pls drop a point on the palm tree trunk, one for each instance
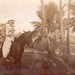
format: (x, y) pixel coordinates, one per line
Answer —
(68, 33)
(61, 22)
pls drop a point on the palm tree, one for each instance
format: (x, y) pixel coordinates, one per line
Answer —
(51, 19)
(48, 29)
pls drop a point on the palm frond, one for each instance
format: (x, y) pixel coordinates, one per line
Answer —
(39, 14)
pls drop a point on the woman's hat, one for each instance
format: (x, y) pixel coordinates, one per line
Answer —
(10, 21)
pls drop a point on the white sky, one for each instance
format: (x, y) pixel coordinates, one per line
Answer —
(22, 11)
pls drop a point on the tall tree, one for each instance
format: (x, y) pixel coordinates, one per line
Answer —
(51, 19)
(47, 30)
(48, 27)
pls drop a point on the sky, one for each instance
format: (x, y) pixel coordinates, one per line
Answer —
(22, 11)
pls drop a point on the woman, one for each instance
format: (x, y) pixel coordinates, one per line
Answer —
(9, 38)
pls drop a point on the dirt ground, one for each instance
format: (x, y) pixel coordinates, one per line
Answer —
(28, 59)
(9, 68)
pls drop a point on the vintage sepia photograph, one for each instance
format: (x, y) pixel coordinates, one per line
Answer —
(37, 37)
